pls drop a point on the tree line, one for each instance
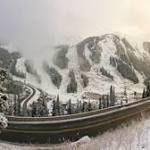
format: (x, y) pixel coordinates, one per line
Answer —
(105, 101)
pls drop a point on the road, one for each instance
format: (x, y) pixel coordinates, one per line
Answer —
(33, 96)
(72, 127)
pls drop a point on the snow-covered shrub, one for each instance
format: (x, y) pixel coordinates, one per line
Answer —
(3, 103)
(3, 121)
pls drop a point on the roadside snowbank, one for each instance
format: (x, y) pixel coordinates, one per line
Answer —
(134, 137)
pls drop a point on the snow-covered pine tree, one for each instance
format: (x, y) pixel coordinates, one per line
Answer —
(107, 99)
(144, 93)
(100, 103)
(54, 108)
(104, 102)
(57, 106)
(69, 110)
(83, 107)
(112, 96)
(78, 108)
(148, 90)
(89, 106)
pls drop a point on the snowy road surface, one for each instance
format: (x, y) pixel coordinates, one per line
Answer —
(35, 97)
(31, 90)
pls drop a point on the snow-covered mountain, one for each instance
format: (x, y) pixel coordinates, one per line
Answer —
(92, 65)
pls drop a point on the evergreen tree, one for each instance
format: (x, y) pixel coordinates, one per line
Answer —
(3, 75)
(148, 90)
(107, 100)
(69, 107)
(43, 108)
(78, 109)
(112, 96)
(72, 86)
(54, 108)
(3, 104)
(144, 93)
(100, 103)
(83, 107)
(89, 106)
(125, 95)
(18, 105)
(57, 106)
(104, 102)
(34, 110)
(135, 94)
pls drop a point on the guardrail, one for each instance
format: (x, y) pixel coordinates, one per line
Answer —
(61, 128)
(77, 115)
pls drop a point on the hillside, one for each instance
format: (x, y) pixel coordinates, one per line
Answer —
(91, 65)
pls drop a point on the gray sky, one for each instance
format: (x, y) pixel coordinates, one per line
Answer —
(33, 24)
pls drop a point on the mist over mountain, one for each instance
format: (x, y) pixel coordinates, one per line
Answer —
(91, 65)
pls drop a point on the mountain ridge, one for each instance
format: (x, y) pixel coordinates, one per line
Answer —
(97, 62)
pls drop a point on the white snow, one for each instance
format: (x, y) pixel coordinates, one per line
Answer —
(83, 140)
(27, 97)
(136, 136)
(87, 54)
(20, 67)
(109, 49)
(97, 82)
(101, 84)
(3, 121)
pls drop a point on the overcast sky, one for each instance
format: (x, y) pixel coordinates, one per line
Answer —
(32, 24)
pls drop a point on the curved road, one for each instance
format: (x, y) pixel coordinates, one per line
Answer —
(58, 129)
(33, 96)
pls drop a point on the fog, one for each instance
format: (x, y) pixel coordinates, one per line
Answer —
(37, 25)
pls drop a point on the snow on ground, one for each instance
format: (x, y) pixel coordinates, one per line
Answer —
(101, 84)
(73, 65)
(134, 137)
(97, 82)
(20, 66)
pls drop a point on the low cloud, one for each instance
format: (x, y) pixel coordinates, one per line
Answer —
(34, 26)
